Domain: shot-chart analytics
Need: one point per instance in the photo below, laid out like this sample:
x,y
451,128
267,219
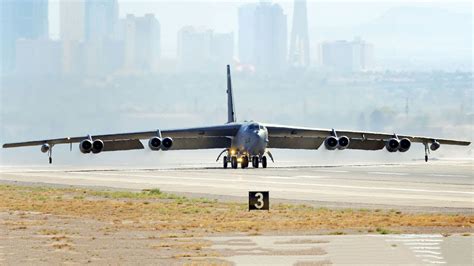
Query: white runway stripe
x,y
429,256
426,248
332,171
387,173
427,252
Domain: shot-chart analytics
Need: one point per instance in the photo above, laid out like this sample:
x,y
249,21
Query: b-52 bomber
x,y
243,142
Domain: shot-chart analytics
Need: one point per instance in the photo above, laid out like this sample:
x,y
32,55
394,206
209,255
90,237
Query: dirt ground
x,y
46,225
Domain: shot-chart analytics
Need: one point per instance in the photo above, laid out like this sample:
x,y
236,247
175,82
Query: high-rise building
x,y
101,17
222,49
142,42
299,43
26,19
263,36
247,39
201,49
347,56
88,19
194,48
72,20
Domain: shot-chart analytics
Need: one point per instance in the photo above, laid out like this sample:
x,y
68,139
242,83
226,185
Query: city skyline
x,y
321,14
264,38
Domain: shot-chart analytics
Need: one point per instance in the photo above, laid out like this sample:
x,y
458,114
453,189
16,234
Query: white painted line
x,y
421,244
332,171
426,248
416,240
387,173
310,176
417,236
427,252
446,175
429,256
434,262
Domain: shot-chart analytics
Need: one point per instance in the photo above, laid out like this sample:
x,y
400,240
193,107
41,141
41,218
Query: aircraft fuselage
x,y
251,140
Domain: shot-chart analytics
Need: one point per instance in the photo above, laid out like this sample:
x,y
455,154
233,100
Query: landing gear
x,y
427,151
245,162
255,161
264,161
233,162
225,162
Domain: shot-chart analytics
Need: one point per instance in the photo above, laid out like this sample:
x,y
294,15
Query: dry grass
x,y
155,210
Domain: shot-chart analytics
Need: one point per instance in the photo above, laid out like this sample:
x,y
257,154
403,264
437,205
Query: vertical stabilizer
x,y
230,99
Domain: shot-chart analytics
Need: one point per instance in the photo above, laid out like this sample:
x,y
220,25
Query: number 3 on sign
x,y
259,200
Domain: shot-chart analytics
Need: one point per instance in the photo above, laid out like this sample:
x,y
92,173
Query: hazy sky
x,y
222,15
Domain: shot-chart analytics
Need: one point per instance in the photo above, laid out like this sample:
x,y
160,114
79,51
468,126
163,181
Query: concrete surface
x,y
347,249
446,186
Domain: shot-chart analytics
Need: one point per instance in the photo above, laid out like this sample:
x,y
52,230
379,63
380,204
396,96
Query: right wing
x,y
289,137
186,138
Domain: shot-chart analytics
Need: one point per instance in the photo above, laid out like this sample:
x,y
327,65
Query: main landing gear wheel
x,y
233,162
245,162
255,162
264,162
225,162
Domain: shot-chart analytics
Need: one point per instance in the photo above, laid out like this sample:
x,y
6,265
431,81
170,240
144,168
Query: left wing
x,y
289,137
187,138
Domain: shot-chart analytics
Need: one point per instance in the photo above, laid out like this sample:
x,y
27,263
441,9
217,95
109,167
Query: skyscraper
x,y
347,56
142,42
203,50
299,43
263,37
72,20
247,22
26,19
101,18
88,19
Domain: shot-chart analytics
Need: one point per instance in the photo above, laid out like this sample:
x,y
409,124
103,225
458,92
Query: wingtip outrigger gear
x,y
427,151
50,155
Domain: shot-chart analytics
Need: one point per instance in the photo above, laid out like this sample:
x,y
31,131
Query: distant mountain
x,y
419,20
420,30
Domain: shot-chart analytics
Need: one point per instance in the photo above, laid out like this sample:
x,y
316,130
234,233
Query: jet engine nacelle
x,y
331,143
154,144
435,145
97,146
392,145
45,148
343,142
405,145
166,143
85,146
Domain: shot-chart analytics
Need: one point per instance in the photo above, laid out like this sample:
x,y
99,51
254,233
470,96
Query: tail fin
x,y
230,99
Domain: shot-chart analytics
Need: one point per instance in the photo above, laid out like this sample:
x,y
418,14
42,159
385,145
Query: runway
x,y
443,185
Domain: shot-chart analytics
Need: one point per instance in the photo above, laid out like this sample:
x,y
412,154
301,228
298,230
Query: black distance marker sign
x,y
259,200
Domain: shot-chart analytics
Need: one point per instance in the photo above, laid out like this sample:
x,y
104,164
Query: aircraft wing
x,y
289,137
186,138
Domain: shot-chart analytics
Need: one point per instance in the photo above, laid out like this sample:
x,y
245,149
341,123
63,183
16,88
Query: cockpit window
x,y
253,126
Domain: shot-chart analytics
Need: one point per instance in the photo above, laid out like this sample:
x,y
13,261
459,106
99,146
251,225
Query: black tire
x,y
225,162
233,162
264,162
245,162
255,162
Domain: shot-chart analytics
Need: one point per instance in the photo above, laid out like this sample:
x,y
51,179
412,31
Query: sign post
x,y
259,200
